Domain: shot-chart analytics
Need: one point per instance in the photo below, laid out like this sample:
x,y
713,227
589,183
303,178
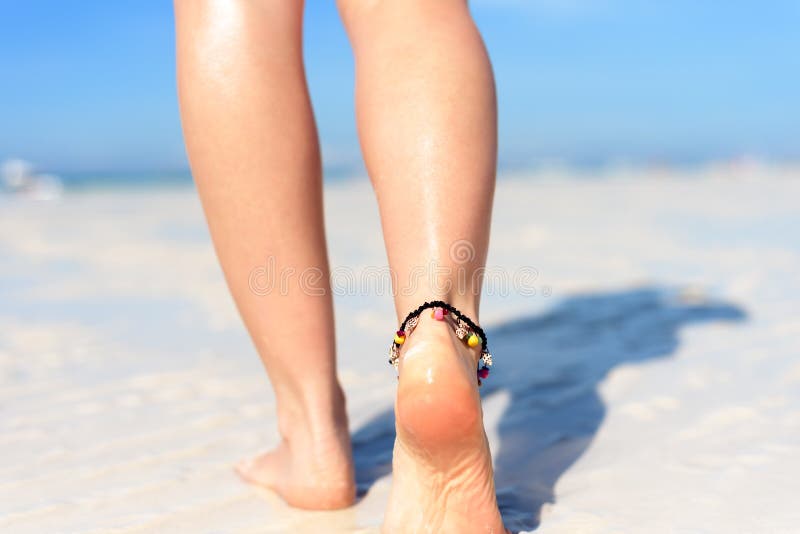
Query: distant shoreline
x,y
77,181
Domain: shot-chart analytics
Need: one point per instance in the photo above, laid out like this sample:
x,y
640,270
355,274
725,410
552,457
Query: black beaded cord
x,y
452,309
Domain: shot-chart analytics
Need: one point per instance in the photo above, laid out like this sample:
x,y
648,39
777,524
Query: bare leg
x,y
253,148
427,121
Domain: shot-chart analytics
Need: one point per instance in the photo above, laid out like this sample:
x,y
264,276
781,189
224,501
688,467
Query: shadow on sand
x,y
551,366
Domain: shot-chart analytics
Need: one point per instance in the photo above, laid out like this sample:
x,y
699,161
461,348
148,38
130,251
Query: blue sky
x,y
89,86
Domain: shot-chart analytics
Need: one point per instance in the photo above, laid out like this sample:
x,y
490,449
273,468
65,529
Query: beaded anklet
x,y
466,330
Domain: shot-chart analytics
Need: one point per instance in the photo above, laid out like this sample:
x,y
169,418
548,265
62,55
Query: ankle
x,y
313,415
443,323
466,303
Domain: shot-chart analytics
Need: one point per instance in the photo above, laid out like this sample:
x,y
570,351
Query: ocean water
x,y
24,178
19,176
171,178
30,174
77,181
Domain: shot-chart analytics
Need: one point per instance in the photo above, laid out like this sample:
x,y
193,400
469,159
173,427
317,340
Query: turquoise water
x,y
591,168
79,181
75,181
583,169
160,178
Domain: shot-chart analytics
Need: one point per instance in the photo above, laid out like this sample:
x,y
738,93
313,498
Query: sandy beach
x,y
646,380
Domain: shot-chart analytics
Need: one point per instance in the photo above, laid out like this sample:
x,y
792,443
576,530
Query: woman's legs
x,y
253,147
427,121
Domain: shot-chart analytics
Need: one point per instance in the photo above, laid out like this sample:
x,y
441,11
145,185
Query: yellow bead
x,y
473,340
399,339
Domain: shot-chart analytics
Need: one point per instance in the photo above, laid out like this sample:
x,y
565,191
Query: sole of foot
x,y
318,477
442,477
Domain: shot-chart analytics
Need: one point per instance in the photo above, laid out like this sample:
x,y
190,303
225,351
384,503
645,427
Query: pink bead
x,y
438,314
483,372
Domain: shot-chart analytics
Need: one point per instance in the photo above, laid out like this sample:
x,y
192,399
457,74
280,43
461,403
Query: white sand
x,y
651,385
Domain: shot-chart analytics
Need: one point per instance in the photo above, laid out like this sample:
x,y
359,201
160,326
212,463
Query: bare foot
x,y
443,480
311,472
